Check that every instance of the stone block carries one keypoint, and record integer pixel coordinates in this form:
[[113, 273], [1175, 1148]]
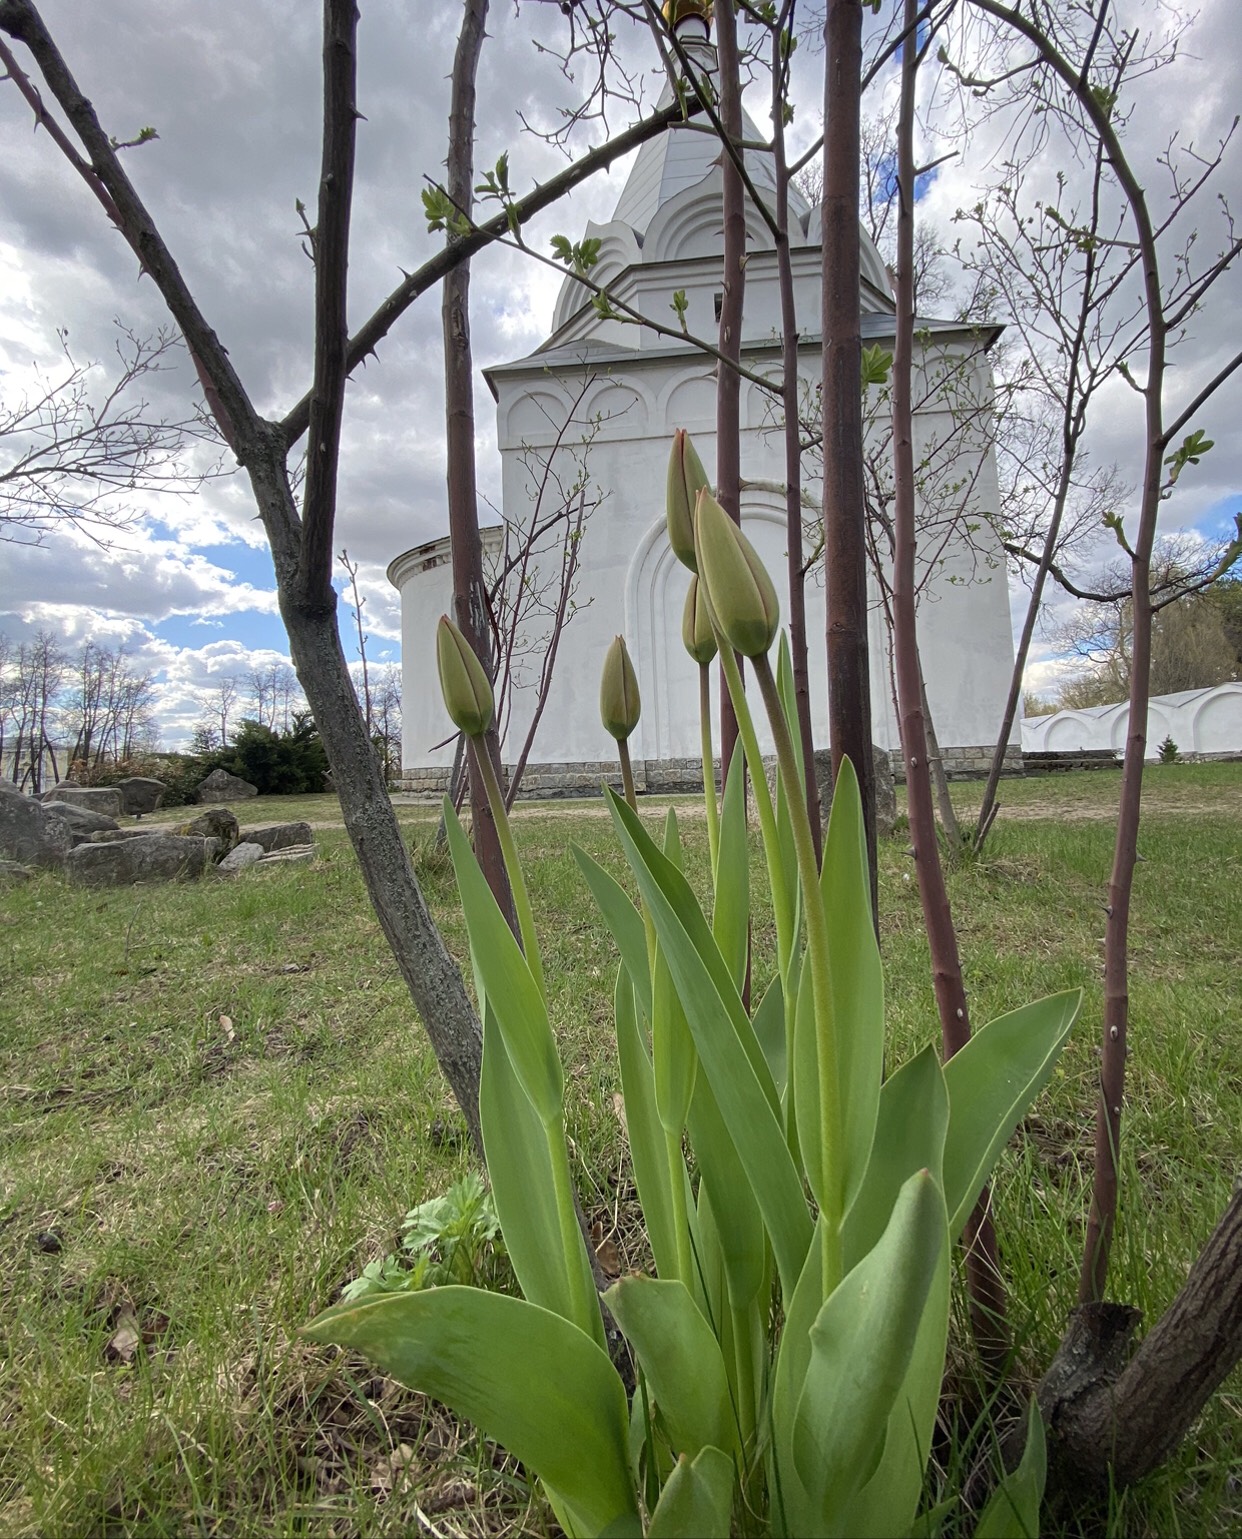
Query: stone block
[[139, 794], [155, 858], [220, 786]]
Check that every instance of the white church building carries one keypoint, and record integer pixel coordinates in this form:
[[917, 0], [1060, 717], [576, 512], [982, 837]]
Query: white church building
[[665, 236]]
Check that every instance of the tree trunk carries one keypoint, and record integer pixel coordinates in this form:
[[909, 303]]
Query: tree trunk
[[430, 974], [1110, 1423], [845, 541], [469, 591], [795, 565], [728, 381], [984, 1281]]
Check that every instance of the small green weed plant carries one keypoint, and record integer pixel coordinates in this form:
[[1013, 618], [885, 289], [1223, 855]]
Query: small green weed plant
[[453, 1238], [790, 1347]]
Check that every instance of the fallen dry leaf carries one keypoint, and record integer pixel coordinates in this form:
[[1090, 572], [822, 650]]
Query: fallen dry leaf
[[125, 1339]]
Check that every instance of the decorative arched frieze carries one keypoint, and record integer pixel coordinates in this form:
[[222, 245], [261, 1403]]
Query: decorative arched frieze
[[618, 250], [624, 407], [689, 403], [534, 416], [689, 225]]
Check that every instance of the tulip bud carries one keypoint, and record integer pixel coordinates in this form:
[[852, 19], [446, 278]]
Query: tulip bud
[[696, 626], [738, 586], [686, 478], [619, 705], [464, 683]]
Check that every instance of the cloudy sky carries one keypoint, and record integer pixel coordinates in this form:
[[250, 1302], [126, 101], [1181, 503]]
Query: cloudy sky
[[232, 89]]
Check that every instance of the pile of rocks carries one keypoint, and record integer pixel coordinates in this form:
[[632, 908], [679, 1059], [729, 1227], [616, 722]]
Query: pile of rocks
[[80, 836]]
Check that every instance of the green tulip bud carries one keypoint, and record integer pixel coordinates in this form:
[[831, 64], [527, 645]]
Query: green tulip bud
[[619, 705], [686, 478], [464, 683], [696, 626], [739, 589]]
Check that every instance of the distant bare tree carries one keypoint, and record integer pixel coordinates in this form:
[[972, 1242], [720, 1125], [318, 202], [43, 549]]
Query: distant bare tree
[[82, 446]]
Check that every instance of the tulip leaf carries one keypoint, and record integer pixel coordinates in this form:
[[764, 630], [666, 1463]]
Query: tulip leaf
[[697, 1500], [625, 922], [519, 1163], [888, 1502], [1012, 1511], [743, 1088], [724, 1182], [910, 1135], [769, 1028], [681, 1359], [502, 974], [856, 978], [527, 1378], [731, 913], [648, 1149], [792, 1512], [992, 1081], [861, 1346]]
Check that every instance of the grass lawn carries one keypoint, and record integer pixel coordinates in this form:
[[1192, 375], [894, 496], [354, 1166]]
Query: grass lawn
[[216, 1105]]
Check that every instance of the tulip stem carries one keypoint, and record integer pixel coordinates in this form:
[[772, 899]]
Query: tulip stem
[[521, 898], [781, 908], [709, 765], [830, 1176], [627, 773]]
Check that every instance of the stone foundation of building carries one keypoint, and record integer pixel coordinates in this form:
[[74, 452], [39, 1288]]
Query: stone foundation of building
[[550, 782]]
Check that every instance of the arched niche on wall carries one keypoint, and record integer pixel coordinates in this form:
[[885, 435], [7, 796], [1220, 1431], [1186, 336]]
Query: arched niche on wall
[[533, 416], [691, 403], [690, 224], [618, 250], [623, 407], [1216, 721], [655, 597]]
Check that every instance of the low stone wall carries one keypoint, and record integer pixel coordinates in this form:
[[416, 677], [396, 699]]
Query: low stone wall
[[548, 782]]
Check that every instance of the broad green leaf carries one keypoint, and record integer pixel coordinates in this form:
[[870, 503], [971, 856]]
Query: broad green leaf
[[731, 912], [724, 1183], [672, 1050], [769, 1028], [788, 858], [743, 1089], [910, 1135], [1012, 1511], [683, 908], [857, 978], [792, 1513], [502, 974], [681, 1359], [861, 1346], [647, 1144], [519, 1164], [625, 922], [992, 1081], [672, 1047], [887, 1503], [526, 1378], [697, 1501]]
